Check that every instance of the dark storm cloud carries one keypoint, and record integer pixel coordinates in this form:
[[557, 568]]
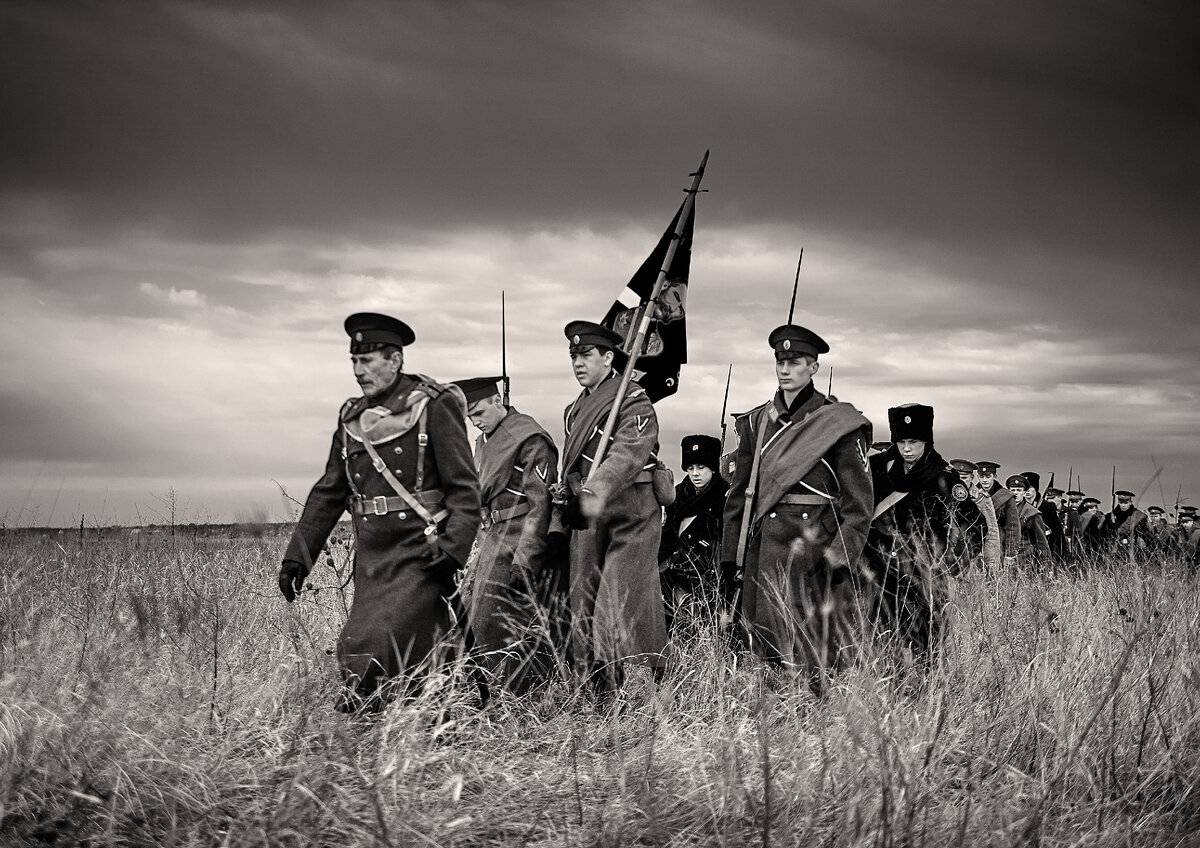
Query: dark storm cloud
[[1000, 147], [379, 112], [998, 204]]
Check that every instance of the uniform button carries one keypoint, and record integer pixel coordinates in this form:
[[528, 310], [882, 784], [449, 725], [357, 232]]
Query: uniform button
[[399, 449], [804, 515], [402, 515], [357, 476], [772, 515]]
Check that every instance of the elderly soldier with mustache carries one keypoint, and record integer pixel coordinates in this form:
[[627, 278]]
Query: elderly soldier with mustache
[[401, 465]]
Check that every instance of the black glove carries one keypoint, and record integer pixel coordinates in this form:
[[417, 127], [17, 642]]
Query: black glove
[[442, 569], [572, 516], [291, 579]]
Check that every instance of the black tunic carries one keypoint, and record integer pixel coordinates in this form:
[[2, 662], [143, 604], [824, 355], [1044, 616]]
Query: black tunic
[[689, 557], [916, 542]]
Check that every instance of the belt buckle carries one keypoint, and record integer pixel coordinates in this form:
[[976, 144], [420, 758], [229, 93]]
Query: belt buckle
[[379, 504], [495, 516]]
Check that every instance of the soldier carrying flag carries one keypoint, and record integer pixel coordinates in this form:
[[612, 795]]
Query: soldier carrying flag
[[611, 496]]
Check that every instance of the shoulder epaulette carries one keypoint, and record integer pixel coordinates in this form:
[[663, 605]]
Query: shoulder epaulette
[[352, 407], [429, 385], [739, 415]]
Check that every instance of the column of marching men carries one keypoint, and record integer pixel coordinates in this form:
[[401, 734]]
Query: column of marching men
[[585, 561]]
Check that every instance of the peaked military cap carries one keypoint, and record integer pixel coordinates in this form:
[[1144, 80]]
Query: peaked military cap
[[589, 333], [1033, 479], [1054, 492], [369, 330], [701, 450], [911, 421], [1089, 502], [791, 342], [987, 466], [962, 466], [1075, 493], [1016, 480], [478, 388], [1187, 512], [1155, 510], [1124, 493]]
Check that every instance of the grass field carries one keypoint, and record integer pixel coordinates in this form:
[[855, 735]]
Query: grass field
[[156, 690]]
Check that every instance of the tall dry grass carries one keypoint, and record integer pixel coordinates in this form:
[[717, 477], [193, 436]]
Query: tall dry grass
[[158, 691]]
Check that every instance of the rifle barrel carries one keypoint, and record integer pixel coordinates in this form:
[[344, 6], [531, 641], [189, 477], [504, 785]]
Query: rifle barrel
[[725, 406], [503, 350], [795, 285]]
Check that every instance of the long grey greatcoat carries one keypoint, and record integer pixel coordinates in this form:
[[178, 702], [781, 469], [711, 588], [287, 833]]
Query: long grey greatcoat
[[616, 597], [1008, 516], [517, 464], [808, 526], [399, 612]]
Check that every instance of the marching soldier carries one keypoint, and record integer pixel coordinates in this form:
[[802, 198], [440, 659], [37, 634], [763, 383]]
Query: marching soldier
[[1035, 550], [1052, 514], [989, 550], [922, 510], [690, 550], [798, 512], [401, 464], [1126, 528], [1033, 487], [1189, 536], [1008, 513], [616, 598], [1091, 529], [1160, 530], [509, 570], [1070, 520]]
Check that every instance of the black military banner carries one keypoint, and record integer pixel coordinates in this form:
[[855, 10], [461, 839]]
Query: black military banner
[[665, 348]]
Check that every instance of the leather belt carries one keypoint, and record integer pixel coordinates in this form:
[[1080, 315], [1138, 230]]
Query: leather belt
[[805, 500], [489, 517], [382, 505]]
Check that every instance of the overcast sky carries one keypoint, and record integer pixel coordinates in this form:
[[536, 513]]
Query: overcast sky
[[999, 205]]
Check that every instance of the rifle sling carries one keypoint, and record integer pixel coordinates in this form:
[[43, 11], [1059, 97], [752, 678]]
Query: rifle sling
[[751, 485]]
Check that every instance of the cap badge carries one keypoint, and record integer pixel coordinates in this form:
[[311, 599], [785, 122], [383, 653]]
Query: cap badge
[[907, 419], [575, 340], [787, 344], [358, 337], [695, 447]]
